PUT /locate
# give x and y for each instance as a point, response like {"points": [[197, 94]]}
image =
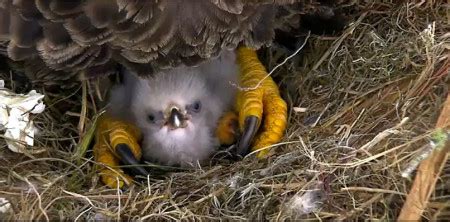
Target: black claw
{"points": [[128, 158], [250, 129]]}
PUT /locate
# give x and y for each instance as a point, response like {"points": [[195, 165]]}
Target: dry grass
{"points": [[363, 108]]}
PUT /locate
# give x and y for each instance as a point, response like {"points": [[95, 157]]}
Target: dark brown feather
{"points": [[144, 35], [24, 33], [55, 34], [102, 14], [5, 21], [17, 53]]}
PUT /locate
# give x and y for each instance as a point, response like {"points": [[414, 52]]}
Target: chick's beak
{"points": [[175, 118]]}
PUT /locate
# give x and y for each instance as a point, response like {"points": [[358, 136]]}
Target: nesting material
{"points": [[15, 110]]}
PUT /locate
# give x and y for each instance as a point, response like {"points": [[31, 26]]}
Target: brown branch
{"points": [[427, 174]]}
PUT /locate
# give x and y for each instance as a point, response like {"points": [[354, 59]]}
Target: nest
{"points": [[363, 109]]}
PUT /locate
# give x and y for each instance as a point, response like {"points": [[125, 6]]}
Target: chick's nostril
{"points": [[175, 112]]}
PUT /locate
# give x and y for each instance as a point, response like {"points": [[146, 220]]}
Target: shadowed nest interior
{"points": [[362, 109]]}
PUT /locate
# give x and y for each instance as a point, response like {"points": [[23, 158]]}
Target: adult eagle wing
{"points": [[93, 35]]}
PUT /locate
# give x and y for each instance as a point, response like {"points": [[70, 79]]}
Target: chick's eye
{"points": [[155, 117], [151, 118], [195, 107]]}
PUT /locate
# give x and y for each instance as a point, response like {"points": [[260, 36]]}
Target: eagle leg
{"points": [[115, 142], [258, 103]]}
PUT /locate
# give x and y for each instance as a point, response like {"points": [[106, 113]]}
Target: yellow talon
{"points": [[265, 99], [110, 133], [227, 129]]}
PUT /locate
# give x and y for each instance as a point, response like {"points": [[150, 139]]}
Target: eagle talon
{"points": [[115, 141], [128, 158], [247, 135], [262, 111]]}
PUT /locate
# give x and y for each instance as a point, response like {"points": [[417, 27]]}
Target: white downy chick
{"points": [[177, 110]]}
